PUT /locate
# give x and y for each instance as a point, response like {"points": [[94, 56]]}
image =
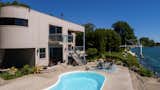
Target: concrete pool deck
{"points": [[118, 80]]}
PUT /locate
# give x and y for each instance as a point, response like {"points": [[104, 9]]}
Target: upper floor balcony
{"points": [[56, 37], [60, 38]]}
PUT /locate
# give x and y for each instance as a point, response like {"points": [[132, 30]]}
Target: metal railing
{"points": [[78, 54], [61, 37], [79, 48], [58, 37]]}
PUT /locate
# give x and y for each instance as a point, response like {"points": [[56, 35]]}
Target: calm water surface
{"points": [[151, 58]]}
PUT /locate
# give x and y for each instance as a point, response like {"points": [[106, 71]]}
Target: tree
{"points": [[89, 27], [89, 35], [102, 39], [113, 40], [100, 42], [125, 31], [15, 2], [157, 43], [1, 3], [145, 41]]}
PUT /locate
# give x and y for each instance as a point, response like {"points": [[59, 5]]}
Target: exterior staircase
{"points": [[78, 57]]}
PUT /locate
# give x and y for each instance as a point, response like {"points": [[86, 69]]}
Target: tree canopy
{"points": [[15, 2], [89, 27], [1, 3], [89, 30], [113, 40], [125, 31], [102, 39]]}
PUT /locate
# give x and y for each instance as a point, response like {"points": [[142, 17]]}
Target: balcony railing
{"points": [[61, 38], [58, 37]]}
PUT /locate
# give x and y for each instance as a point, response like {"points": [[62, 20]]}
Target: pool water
{"points": [[79, 81]]}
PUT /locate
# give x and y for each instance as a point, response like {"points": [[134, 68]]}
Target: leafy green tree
{"points": [[89, 35], [79, 39], [113, 40], [90, 40], [89, 27], [15, 2], [125, 31], [1, 3], [100, 41]]}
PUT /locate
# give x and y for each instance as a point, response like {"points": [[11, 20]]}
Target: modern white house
{"points": [[31, 37]]}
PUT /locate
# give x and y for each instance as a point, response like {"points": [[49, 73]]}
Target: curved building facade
{"points": [[30, 37]]}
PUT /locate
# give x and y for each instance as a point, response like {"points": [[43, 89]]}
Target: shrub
{"points": [[129, 61], [132, 61], [27, 70], [6, 75], [14, 72], [18, 74], [145, 72], [102, 55], [92, 54], [92, 51]]}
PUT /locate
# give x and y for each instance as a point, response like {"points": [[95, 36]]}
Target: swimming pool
{"points": [[79, 81]]}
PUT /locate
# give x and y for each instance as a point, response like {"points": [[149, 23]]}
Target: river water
{"points": [[151, 58]]}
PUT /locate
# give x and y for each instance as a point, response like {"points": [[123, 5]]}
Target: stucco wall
{"points": [[36, 34]]}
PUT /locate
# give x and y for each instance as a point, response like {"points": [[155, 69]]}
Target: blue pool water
{"points": [[79, 81]]}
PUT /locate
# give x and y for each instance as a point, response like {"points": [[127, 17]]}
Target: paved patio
{"points": [[118, 80]]}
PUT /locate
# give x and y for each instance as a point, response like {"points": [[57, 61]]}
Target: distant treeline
{"points": [[147, 42], [157, 44], [110, 39], [15, 2]]}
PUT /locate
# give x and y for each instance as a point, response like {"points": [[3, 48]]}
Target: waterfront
{"points": [[151, 58]]}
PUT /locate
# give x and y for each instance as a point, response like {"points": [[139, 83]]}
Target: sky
{"points": [[142, 15]]}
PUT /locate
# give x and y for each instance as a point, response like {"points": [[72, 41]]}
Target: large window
{"points": [[55, 29], [42, 52], [13, 21]]}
